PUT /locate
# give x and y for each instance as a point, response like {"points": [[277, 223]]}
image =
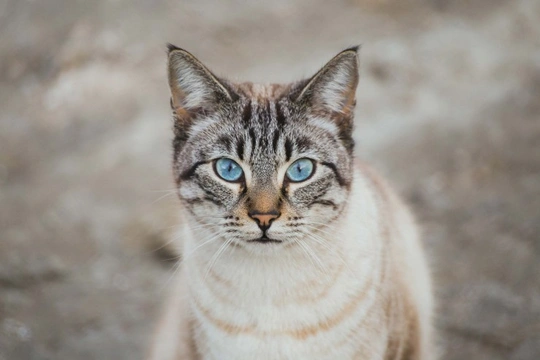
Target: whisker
{"points": [[334, 251], [216, 256], [165, 244], [324, 225], [162, 197], [164, 190], [197, 218], [177, 265], [175, 271], [175, 238], [213, 238], [312, 256], [299, 242]]}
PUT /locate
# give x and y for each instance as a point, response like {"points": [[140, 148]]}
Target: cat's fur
{"points": [[348, 279]]}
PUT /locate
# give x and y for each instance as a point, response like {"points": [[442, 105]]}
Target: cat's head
{"points": [[263, 165]]}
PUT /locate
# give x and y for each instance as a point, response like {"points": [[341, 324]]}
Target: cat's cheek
{"points": [[324, 209], [190, 194]]}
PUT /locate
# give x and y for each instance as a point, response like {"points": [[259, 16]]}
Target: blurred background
{"points": [[448, 109]]}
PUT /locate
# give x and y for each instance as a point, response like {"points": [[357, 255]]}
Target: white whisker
{"points": [[334, 251], [173, 275], [213, 238], [162, 197], [216, 256], [312, 256]]}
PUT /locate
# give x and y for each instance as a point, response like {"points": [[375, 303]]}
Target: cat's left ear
{"points": [[194, 88], [333, 88]]}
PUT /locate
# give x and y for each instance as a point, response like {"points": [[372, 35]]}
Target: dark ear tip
{"points": [[171, 48], [350, 54], [354, 49]]}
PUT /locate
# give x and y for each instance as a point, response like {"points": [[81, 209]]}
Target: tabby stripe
{"points": [[324, 203], [303, 143], [275, 141], [303, 294], [226, 141], [302, 333], [253, 138], [321, 193], [268, 112], [288, 149], [240, 148], [192, 201], [246, 115], [265, 117], [339, 178], [210, 197], [188, 174], [279, 116]]}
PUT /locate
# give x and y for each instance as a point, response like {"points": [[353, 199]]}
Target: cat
{"points": [[292, 249]]}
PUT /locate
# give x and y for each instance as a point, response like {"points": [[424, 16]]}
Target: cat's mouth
{"points": [[264, 240]]}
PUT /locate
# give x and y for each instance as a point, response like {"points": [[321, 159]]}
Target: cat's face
{"points": [[263, 166]]}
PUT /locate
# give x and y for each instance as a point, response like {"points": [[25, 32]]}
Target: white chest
{"points": [[322, 320]]}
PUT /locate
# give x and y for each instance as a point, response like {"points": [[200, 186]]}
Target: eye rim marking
{"points": [[241, 179], [341, 181], [189, 173], [313, 170]]}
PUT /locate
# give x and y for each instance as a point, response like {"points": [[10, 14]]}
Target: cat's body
{"points": [[337, 271]]}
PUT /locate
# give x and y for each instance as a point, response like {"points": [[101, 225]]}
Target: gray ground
{"points": [[448, 109]]}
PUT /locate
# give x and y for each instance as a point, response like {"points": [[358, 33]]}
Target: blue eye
{"points": [[228, 170], [300, 170]]}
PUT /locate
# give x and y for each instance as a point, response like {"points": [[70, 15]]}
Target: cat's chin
{"points": [[265, 240], [263, 245]]}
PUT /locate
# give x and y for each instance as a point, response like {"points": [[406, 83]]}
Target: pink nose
{"points": [[264, 220]]}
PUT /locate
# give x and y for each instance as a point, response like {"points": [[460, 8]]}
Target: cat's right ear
{"points": [[333, 88], [194, 89]]}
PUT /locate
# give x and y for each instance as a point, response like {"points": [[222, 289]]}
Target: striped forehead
{"points": [[258, 129], [262, 128]]}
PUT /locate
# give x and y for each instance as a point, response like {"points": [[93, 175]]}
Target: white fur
{"points": [[333, 92], [193, 86], [192, 81], [325, 124], [260, 291], [201, 125]]}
